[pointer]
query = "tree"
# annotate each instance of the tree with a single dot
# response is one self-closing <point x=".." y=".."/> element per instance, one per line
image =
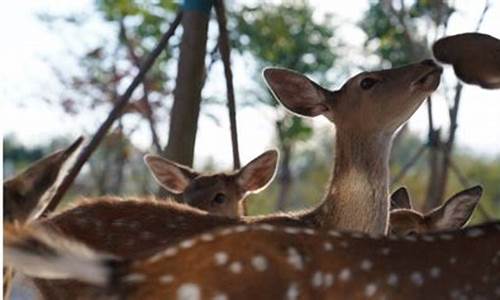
<point x="285" y="35"/>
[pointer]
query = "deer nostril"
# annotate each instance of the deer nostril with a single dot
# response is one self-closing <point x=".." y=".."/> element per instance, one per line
<point x="429" y="62"/>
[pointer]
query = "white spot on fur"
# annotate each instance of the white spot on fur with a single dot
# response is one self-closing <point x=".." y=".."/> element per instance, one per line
<point x="187" y="243"/>
<point x="241" y="228"/>
<point x="345" y="274"/>
<point x="207" y="237"/>
<point x="188" y="291"/>
<point x="417" y="278"/>
<point x="259" y="262"/>
<point x="453" y="260"/>
<point x="428" y="238"/>
<point x="435" y="272"/>
<point x="410" y="238"/>
<point x="309" y="231"/>
<point x="221" y="258"/>
<point x="475" y="232"/>
<point x="392" y="279"/>
<point x="335" y="233"/>
<point x="134" y="278"/>
<point x="328" y="279"/>
<point x="295" y="259"/>
<point x="370" y="289"/>
<point x="292" y="230"/>
<point x="357" y="235"/>
<point x="146" y="235"/>
<point x="317" y="279"/>
<point x="220" y="296"/>
<point x="226" y="231"/>
<point x="266" y="227"/>
<point x="344" y="244"/>
<point x="293" y="292"/>
<point x="236" y="267"/>
<point x="446" y="237"/>
<point x="366" y="265"/>
<point x="166" y="279"/>
<point x="328" y="246"/>
<point x="385" y="251"/>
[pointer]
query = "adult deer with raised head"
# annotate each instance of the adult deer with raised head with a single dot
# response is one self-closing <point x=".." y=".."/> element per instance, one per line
<point x="262" y="261"/>
<point x="453" y="214"/>
<point x="367" y="110"/>
<point x="219" y="193"/>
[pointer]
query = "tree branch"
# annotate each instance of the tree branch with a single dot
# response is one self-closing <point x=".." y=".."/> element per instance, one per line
<point x="113" y="115"/>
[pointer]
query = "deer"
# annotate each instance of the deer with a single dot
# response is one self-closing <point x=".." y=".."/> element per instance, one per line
<point x="264" y="261"/>
<point x="475" y="57"/>
<point x="366" y="110"/>
<point x="219" y="193"/>
<point x="26" y="195"/>
<point x="454" y="213"/>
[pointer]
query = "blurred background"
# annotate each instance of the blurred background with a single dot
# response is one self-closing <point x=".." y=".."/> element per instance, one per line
<point x="64" y="63"/>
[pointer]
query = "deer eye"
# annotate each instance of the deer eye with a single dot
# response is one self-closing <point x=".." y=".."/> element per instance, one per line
<point x="367" y="83"/>
<point x="220" y="198"/>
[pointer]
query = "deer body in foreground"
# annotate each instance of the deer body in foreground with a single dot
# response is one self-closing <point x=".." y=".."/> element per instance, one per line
<point x="218" y="193"/>
<point x="263" y="261"/>
<point x="475" y="57"/>
<point x="453" y="214"/>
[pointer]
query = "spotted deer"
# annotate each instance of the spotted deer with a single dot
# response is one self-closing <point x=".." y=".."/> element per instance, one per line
<point x="366" y="110"/>
<point x="475" y="57"/>
<point x="26" y="195"/>
<point x="453" y="214"/>
<point x="262" y="261"/>
<point x="219" y="193"/>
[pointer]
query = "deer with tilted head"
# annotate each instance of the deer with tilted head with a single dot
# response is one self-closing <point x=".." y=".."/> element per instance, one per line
<point x="219" y="193"/>
<point x="262" y="261"/>
<point x="453" y="214"/>
<point x="367" y="110"/>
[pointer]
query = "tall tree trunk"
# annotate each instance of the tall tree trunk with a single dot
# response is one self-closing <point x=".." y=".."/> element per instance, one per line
<point x="189" y="82"/>
<point x="284" y="178"/>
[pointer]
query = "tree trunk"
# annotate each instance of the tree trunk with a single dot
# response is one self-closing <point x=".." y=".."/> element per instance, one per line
<point x="189" y="82"/>
<point x="284" y="178"/>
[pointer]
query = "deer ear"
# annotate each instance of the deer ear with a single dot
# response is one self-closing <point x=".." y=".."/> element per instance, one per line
<point x="297" y="92"/>
<point x="27" y="195"/>
<point x="258" y="173"/>
<point x="401" y="199"/>
<point x="456" y="212"/>
<point x="170" y="175"/>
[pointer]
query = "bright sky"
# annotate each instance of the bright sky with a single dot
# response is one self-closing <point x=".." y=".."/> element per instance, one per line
<point x="27" y="78"/>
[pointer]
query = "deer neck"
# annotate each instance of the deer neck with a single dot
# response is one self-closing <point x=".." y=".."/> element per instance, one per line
<point x="357" y="198"/>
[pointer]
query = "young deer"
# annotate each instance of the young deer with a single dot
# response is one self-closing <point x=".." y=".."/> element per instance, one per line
<point x="453" y="214"/>
<point x="367" y="110"/>
<point x="269" y="262"/>
<point x="220" y="193"/>
<point x="475" y="57"/>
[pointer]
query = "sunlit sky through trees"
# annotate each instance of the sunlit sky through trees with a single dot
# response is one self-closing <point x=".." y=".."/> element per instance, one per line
<point x="30" y="48"/>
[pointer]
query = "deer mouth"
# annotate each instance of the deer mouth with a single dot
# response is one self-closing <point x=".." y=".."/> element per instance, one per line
<point x="429" y="81"/>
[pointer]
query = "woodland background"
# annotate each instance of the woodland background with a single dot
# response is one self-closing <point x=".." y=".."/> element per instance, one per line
<point x="104" y="44"/>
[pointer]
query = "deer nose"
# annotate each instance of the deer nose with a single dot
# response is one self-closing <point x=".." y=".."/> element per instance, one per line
<point x="428" y="62"/>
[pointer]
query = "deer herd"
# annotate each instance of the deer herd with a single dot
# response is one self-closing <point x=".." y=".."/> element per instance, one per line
<point x="359" y="242"/>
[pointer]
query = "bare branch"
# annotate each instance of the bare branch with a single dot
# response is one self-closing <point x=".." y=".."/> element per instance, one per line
<point x="113" y="115"/>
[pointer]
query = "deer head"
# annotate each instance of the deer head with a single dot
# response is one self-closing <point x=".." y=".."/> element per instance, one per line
<point x="220" y="193"/>
<point x="453" y="214"/>
<point x="475" y="57"/>
<point x="27" y="194"/>
<point x="366" y="110"/>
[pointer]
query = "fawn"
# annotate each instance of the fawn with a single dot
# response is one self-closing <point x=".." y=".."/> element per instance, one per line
<point x="453" y="214"/>
<point x="219" y="193"/>
<point x="475" y="57"/>
<point x="262" y="261"/>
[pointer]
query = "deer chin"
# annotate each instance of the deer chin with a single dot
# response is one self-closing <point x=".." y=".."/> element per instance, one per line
<point x="429" y="81"/>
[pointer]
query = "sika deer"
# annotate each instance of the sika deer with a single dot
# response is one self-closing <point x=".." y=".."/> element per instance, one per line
<point x="453" y="214"/>
<point x="367" y="110"/>
<point x="268" y="262"/>
<point x="475" y="58"/>
<point x="27" y="194"/>
<point x="220" y="193"/>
